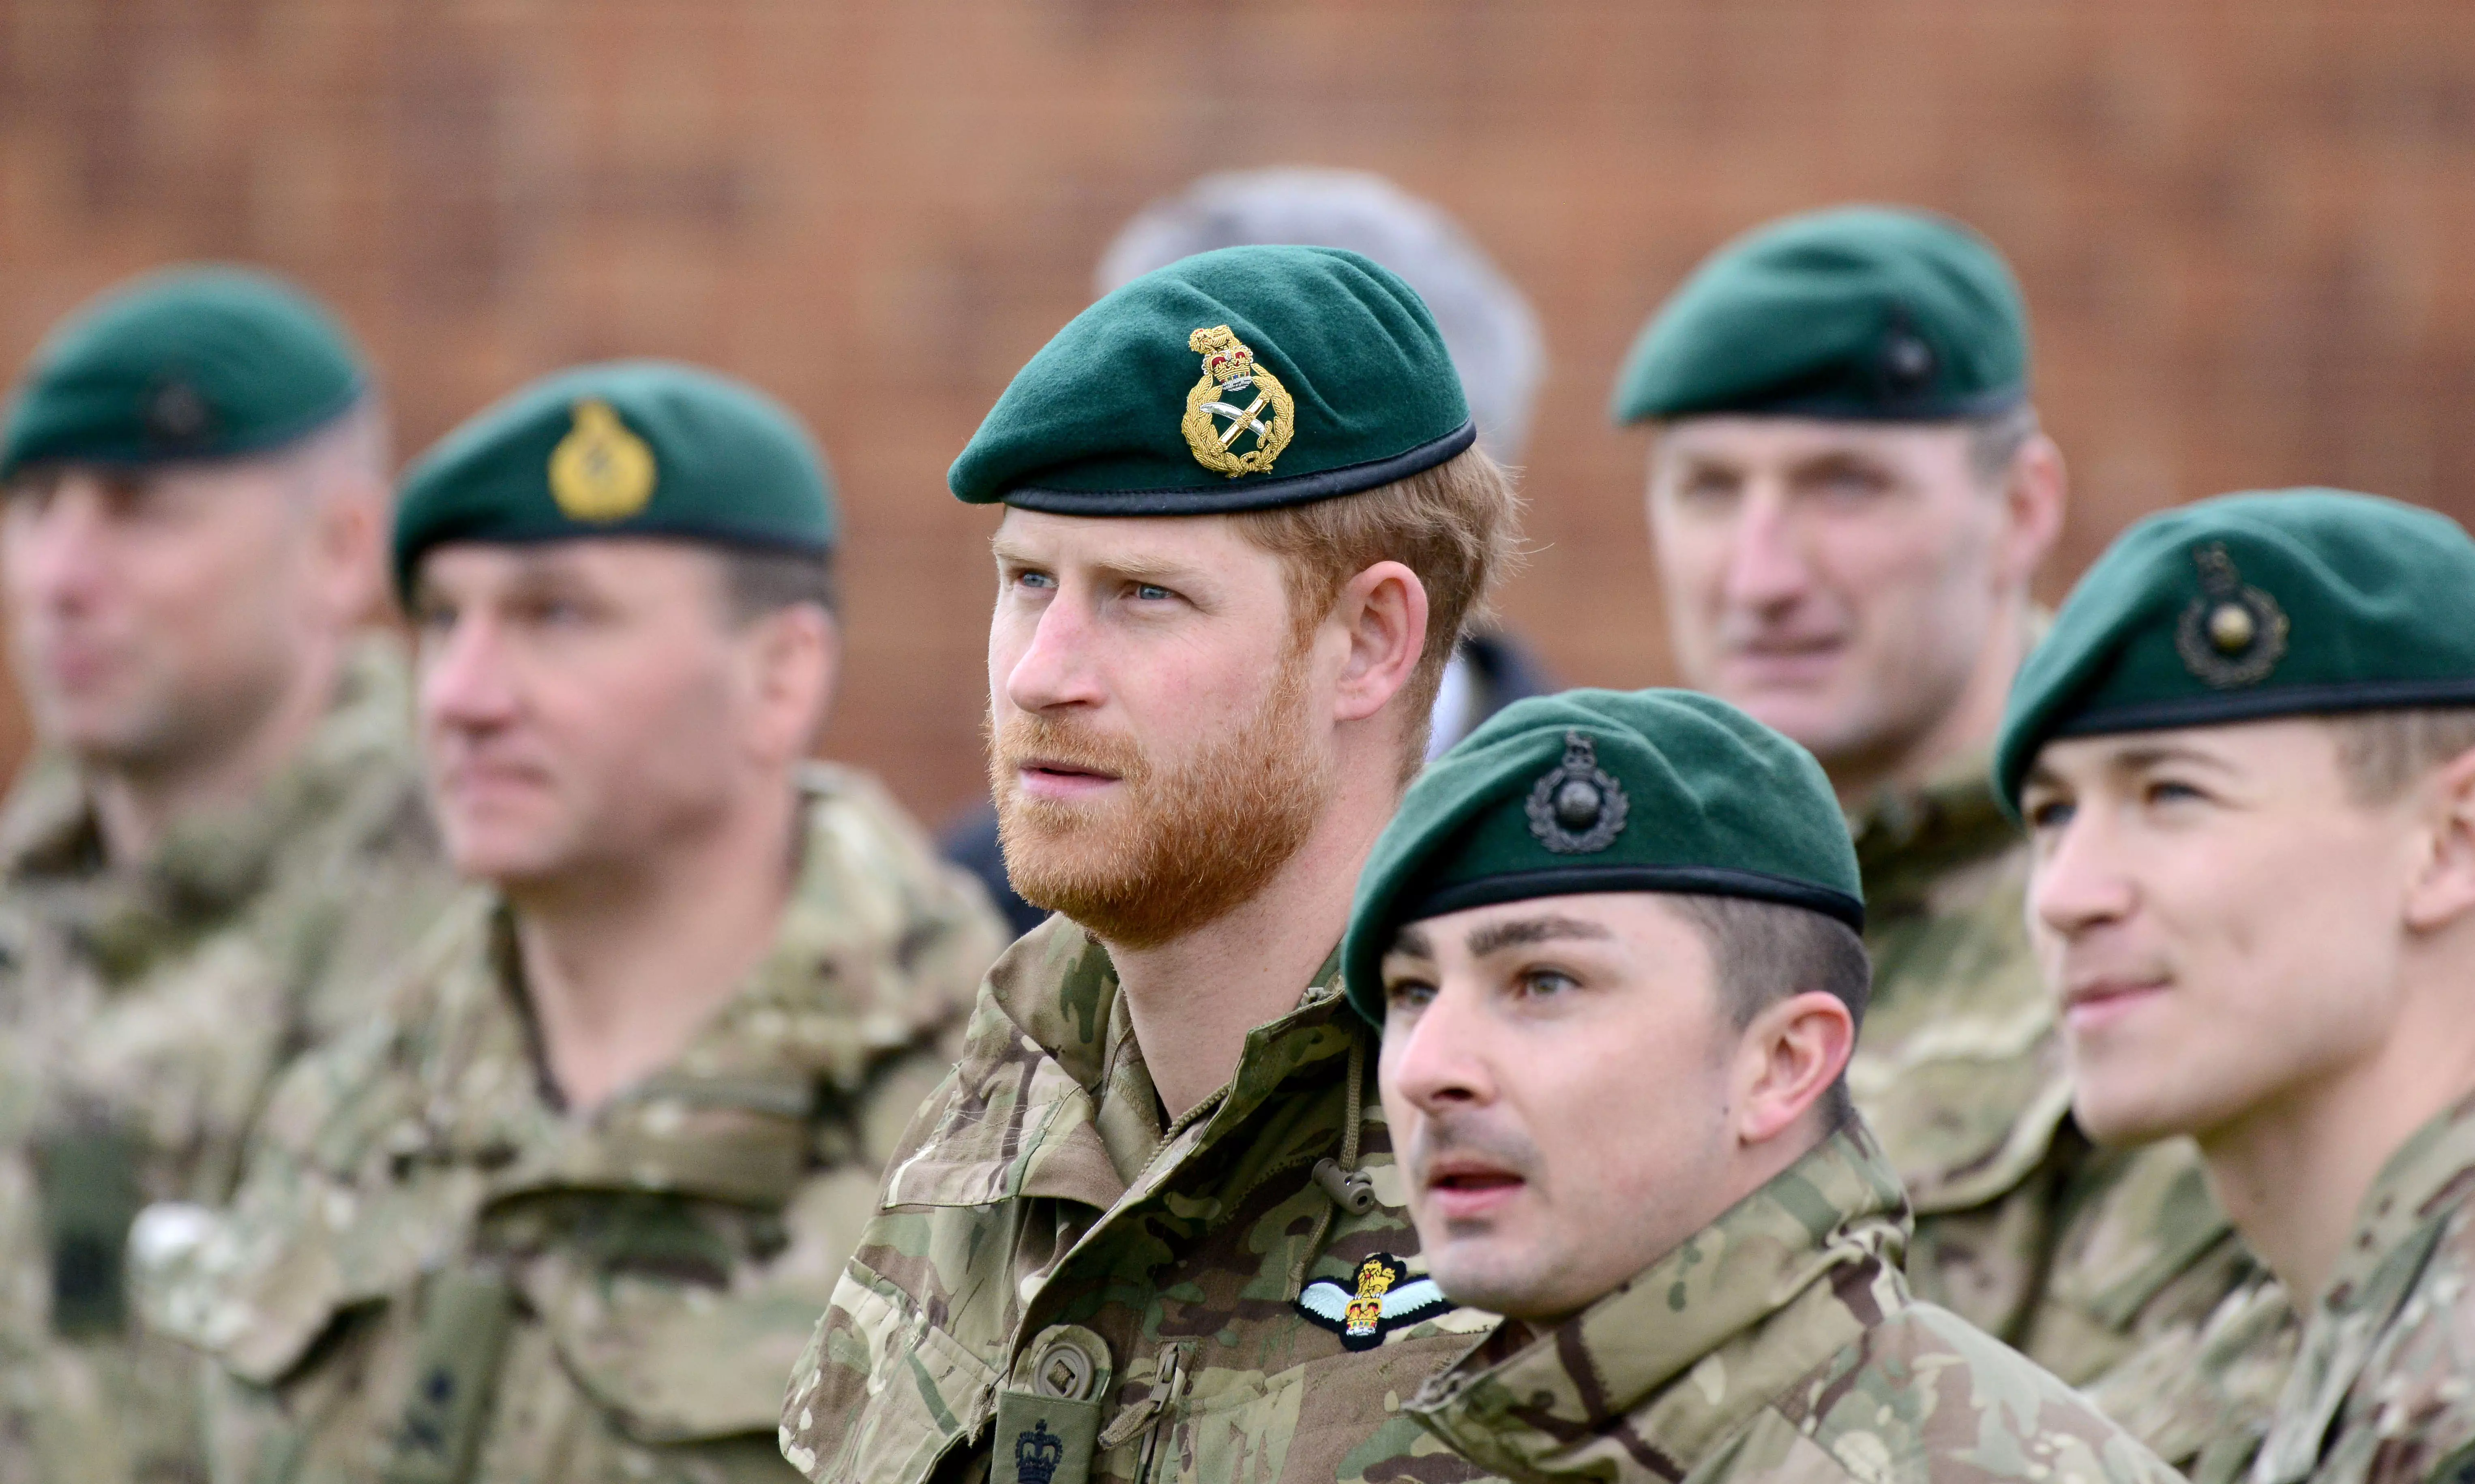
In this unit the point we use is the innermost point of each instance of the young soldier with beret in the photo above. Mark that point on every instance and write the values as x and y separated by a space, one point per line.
2246 759
569 1208
1611 940
1150 1228
1849 494
220 842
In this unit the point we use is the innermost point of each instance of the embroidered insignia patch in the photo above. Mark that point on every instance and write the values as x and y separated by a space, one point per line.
1037 1454
1261 427
601 470
2232 634
1577 808
1381 1303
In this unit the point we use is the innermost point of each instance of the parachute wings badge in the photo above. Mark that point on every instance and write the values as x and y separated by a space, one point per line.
1262 426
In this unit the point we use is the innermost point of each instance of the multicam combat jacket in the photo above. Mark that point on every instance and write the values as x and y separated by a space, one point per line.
1060 1288
2383 1389
1779 1343
435 1273
2116 1271
144 1014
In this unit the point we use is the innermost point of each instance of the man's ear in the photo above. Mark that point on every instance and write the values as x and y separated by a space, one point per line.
2035 492
1384 613
1790 1056
794 656
2443 887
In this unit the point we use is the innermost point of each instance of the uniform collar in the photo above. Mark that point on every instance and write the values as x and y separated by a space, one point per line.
2400 1222
1674 1361
1051 1097
208 865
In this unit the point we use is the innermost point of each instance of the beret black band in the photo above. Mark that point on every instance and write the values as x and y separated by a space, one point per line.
1837 406
2261 705
1689 880
1257 495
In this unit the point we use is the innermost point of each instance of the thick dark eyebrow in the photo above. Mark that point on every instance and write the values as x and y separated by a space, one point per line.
1412 942
1834 462
1523 930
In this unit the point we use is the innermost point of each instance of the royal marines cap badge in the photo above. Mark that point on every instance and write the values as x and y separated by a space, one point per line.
601 472
1262 427
1577 808
1379 1302
2232 634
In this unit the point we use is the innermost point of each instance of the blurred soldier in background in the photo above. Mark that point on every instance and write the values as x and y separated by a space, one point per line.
1611 942
2246 758
220 841
1487 324
569 1208
1849 494
1247 519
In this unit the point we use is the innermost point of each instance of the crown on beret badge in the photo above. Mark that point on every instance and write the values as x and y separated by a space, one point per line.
1385 1299
601 470
2233 634
1263 426
1576 807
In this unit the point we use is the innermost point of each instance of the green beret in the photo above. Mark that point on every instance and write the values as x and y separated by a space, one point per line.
2248 606
1861 313
1605 790
1238 379
190 363
620 448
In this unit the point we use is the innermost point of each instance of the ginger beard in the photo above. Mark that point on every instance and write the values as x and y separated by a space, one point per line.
1182 846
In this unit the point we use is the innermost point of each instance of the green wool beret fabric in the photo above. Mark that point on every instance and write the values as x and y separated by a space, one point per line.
620 448
2247 606
190 363
1238 379
1604 791
1859 312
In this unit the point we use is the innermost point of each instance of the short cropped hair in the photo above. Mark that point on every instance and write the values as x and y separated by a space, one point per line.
1457 525
1766 951
757 582
2383 753
1995 439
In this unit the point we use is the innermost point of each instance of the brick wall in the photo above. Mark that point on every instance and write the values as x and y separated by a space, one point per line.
2244 228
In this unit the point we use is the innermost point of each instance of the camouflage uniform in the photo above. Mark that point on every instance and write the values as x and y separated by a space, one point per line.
1057 1277
1779 1343
2383 1388
434 1271
2115 1269
145 1014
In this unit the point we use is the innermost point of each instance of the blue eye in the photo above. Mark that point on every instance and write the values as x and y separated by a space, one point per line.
1150 593
1544 983
2049 815
1034 579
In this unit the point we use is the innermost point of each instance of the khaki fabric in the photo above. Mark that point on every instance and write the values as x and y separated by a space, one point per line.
1779 1343
144 1014
436 1273
1198 1268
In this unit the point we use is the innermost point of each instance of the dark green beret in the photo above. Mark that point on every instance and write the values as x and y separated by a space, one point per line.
620 448
190 363
1238 379
1605 790
1861 313
2249 607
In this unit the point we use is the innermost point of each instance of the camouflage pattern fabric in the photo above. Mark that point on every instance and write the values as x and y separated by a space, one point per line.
2383 1389
1061 1287
2114 1270
436 1273
1779 1343
144 1014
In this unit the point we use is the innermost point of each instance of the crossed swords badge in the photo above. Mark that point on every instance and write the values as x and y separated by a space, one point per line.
1229 372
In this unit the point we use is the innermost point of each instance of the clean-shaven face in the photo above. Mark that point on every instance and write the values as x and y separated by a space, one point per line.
1835 579
2222 919
1555 1075
579 703
1156 749
157 614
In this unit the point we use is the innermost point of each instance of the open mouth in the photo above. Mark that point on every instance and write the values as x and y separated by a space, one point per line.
1053 778
1473 1190
2095 1006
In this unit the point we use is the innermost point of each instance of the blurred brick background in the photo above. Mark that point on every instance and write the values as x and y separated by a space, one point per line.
2244 227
